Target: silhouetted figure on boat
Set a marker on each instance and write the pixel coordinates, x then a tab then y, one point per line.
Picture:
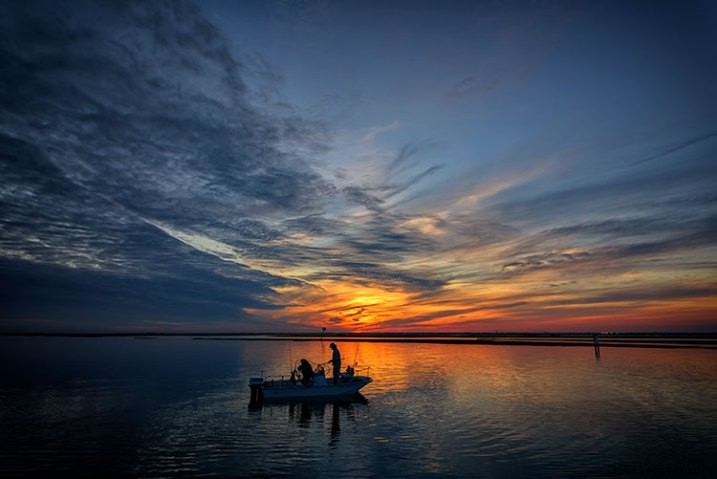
336	362
307	372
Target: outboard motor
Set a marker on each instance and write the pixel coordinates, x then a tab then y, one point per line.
255	383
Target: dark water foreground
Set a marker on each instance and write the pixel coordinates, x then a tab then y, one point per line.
174	407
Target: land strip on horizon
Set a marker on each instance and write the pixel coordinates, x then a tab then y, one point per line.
640	340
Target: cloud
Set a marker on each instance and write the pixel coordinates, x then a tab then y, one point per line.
371	133
678	147
412	181
152	177
610	245
364	197
641	295
616	192
405	157
78	298
370	274
117	117
133	152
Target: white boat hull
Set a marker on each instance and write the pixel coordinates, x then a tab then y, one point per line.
283	389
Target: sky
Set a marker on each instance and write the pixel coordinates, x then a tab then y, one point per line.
359	166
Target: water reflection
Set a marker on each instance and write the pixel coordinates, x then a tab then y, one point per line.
175	407
335	425
314	413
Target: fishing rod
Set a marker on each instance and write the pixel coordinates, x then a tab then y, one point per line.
291	358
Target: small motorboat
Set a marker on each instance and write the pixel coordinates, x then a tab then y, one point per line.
308	383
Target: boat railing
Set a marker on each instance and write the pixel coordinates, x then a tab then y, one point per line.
278	381
283	381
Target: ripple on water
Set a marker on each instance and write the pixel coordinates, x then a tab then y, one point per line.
433	411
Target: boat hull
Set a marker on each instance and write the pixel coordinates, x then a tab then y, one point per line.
282	389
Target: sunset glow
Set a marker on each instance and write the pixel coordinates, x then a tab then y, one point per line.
271	166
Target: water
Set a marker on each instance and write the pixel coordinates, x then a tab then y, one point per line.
177	407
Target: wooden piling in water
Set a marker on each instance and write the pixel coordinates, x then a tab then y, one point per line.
596	342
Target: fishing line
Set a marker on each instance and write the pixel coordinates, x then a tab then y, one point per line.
291	358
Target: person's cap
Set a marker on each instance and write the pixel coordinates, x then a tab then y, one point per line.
332	345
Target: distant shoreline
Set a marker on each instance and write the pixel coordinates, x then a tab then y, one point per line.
625	340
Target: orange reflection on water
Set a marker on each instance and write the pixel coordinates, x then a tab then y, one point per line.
548	375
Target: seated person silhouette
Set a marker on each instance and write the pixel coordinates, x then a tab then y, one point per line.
307	372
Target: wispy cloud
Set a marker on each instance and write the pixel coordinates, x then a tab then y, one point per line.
678	147
371	133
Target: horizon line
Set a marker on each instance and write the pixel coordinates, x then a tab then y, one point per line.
358	334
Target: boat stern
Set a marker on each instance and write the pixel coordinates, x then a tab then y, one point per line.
255	386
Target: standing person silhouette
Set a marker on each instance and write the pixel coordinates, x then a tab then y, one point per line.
336	362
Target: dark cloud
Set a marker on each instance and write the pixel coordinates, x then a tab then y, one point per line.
59	298
624	227
641	295
382	240
665	191
363	197
316	224
398	189
116	116
149	111
406	156
472	229
546	260
679	146
127	132
613	244
370	274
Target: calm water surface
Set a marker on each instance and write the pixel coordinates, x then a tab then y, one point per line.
177	407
